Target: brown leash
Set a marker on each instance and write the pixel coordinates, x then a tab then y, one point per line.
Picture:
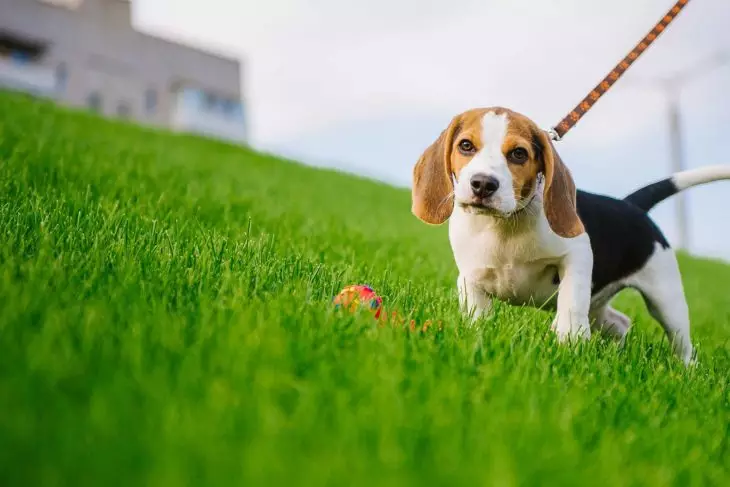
567	123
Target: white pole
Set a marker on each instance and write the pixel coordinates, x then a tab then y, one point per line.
677	158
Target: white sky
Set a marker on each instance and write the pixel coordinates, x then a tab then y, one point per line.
366	86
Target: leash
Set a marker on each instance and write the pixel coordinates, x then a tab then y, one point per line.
556	133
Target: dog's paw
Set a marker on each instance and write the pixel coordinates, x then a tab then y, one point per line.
571	329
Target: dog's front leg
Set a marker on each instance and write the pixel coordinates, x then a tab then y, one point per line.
574	293
473	301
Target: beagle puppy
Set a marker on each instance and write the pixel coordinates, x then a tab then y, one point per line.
520	232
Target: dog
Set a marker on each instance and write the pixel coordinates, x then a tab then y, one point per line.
522	233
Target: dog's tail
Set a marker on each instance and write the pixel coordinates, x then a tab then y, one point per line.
649	196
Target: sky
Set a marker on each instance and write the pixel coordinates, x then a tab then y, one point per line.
366	86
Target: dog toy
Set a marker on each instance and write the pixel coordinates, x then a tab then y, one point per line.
359	295
356	295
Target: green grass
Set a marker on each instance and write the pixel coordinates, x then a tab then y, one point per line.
166	319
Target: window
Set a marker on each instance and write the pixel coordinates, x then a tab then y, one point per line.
19	48
61	77
150	101
93	101
19	57
123	109
211	102
233	109
229	107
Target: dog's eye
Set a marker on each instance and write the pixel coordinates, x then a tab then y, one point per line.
466	146
518	155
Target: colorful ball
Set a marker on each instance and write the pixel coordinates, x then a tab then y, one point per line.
359	295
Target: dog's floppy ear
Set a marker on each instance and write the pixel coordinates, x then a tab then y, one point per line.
559	194
432	192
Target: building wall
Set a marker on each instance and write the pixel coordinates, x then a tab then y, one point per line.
102	53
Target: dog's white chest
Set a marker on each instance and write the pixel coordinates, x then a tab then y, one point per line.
515	268
518	283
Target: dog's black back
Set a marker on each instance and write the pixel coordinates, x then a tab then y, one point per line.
623	237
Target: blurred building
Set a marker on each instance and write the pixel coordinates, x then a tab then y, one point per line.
87	53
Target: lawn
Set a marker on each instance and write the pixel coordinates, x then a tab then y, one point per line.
166	319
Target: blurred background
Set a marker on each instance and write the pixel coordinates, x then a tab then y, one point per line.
364	87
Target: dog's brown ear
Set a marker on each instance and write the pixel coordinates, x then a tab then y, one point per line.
432	193
559	194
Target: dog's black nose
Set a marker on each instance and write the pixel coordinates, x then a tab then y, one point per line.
483	186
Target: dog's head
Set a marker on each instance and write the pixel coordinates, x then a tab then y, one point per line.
488	161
